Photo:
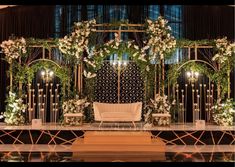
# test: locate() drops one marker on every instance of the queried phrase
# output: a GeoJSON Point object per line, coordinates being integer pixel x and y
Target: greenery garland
{"type": "Point", "coordinates": [189, 43]}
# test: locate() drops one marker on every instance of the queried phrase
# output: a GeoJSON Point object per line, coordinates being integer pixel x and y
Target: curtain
{"type": "Point", "coordinates": [25, 21]}
{"type": "Point", "coordinates": [208, 22]}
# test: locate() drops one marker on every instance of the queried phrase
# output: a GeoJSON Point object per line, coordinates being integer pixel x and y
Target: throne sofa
{"type": "Point", "coordinates": [117, 112]}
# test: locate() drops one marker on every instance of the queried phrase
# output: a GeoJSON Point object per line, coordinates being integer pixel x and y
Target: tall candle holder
{"type": "Point", "coordinates": [186, 101]}
{"type": "Point", "coordinates": [119, 65]}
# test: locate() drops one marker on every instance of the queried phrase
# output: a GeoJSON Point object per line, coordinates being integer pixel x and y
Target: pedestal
{"type": "Point", "coordinates": [73, 119]}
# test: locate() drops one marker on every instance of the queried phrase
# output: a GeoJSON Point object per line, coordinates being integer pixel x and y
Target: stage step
{"type": "Point", "coordinates": [118, 142]}
{"type": "Point", "coordinates": [118, 146]}
{"type": "Point", "coordinates": [111, 137]}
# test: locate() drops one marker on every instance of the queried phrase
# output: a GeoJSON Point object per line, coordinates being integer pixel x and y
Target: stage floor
{"type": "Point", "coordinates": [120, 127]}
{"type": "Point", "coordinates": [175, 134]}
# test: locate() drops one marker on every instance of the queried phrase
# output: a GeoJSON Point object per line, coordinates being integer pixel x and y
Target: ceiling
{"type": "Point", "coordinates": [5, 6]}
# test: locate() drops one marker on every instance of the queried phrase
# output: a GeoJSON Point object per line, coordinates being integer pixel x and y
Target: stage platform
{"type": "Point", "coordinates": [175, 134]}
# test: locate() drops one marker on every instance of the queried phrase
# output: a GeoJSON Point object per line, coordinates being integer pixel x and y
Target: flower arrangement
{"type": "Point", "coordinates": [225, 50]}
{"type": "Point", "coordinates": [74, 105]}
{"type": "Point", "coordinates": [14, 110]}
{"type": "Point", "coordinates": [160, 39]}
{"type": "Point", "coordinates": [13, 49]}
{"type": "Point", "coordinates": [224, 113]}
{"type": "Point", "coordinates": [74, 44]}
{"type": "Point", "coordinates": [160, 106]}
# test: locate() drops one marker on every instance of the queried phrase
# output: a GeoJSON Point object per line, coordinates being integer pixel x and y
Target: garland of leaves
{"type": "Point", "coordinates": [189, 43]}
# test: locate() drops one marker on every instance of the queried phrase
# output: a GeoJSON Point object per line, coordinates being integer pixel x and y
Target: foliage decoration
{"type": "Point", "coordinates": [42, 42]}
{"type": "Point", "coordinates": [15, 109]}
{"type": "Point", "coordinates": [189, 43]}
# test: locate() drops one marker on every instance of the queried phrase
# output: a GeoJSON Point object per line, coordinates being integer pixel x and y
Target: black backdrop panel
{"type": "Point", "coordinates": [131, 84]}
{"type": "Point", "coordinates": [132, 87]}
{"type": "Point", "coordinates": [106, 84]}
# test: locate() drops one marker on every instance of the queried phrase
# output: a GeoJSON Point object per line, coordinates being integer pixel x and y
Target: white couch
{"type": "Point", "coordinates": [115, 112]}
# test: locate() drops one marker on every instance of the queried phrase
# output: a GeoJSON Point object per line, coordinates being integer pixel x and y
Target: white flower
{"type": "Point", "coordinates": [135, 54]}
{"type": "Point", "coordinates": [89, 74]}
{"type": "Point", "coordinates": [147, 68]}
{"type": "Point", "coordinates": [136, 47]}
{"type": "Point", "coordinates": [149, 21]}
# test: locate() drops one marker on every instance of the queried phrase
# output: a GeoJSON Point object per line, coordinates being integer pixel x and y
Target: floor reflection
{"type": "Point", "coordinates": [68, 157]}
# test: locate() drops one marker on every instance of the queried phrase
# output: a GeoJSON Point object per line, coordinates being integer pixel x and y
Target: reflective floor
{"type": "Point", "coordinates": [69, 157]}
{"type": "Point", "coordinates": [120, 126]}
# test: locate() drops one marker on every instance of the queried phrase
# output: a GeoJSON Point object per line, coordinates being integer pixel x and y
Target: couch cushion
{"type": "Point", "coordinates": [117, 112]}
{"type": "Point", "coordinates": [116, 116]}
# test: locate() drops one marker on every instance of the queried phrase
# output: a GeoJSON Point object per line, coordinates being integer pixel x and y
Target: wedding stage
{"type": "Point", "coordinates": [175, 134]}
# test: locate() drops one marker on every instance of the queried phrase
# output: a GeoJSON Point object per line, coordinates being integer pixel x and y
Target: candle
{"type": "Point", "coordinates": [204, 93]}
{"type": "Point", "coordinates": [200, 101]}
{"type": "Point", "coordinates": [50, 105]}
{"type": "Point", "coordinates": [198, 110]}
{"type": "Point", "coordinates": [29, 108]}
{"type": "Point", "coordinates": [193, 103]}
{"type": "Point", "coordinates": [45, 108]}
{"type": "Point", "coordinates": [182, 99]}
{"type": "Point", "coordinates": [183, 109]}
{"type": "Point", "coordinates": [38, 100]}
{"type": "Point", "coordinates": [43, 113]}
{"type": "Point", "coordinates": [208, 101]}
{"type": "Point", "coordinates": [186, 95]}
{"type": "Point", "coordinates": [33, 105]}
{"type": "Point", "coordinates": [212, 96]}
